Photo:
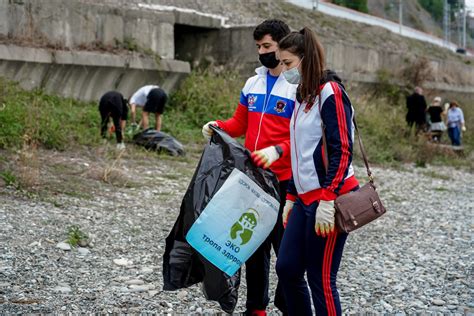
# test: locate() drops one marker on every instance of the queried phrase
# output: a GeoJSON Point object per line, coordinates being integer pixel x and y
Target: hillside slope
{"type": "Point", "coordinates": [414, 15]}
{"type": "Point", "coordinates": [327, 27]}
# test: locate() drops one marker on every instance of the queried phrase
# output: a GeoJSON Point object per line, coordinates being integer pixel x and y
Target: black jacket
{"type": "Point", "coordinates": [416, 105]}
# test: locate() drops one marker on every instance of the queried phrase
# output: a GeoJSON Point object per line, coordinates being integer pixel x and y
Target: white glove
{"type": "Point", "coordinates": [324, 218]}
{"type": "Point", "coordinates": [207, 131]}
{"type": "Point", "coordinates": [120, 146]}
{"type": "Point", "coordinates": [263, 158]}
{"type": "Point", "coordinates": [287, 211]}
{"type": "Point", "coordinates": [463, 128]}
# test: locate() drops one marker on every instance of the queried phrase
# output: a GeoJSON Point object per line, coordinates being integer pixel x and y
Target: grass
{"type": "Point", "coordinates": [9, 178]}
{"type": "Point", "coordinates": [204, 96]}
{"type": "Point", "coordinates": [50, 121]}
{"type": "Point", "coordinates": [76, 236]}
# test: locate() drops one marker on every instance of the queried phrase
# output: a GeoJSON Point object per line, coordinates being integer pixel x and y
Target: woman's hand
{"type": "Point", "coordinates": [325, 218]}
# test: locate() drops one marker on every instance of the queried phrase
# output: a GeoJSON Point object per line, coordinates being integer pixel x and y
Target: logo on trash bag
{"type": "Point", "coordinates": [244, 227]}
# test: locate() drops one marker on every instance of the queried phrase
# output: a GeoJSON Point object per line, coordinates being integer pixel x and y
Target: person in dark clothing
{"type": "Point", "coordinates": [113, 105]}
{"type": "Point", "coordinates": [416, 105]}
{"type": "Point", "coordinates": [436, 123]}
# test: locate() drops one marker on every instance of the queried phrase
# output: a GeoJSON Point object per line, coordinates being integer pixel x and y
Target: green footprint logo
{"type": "Point", "coordinates": [244, 227]}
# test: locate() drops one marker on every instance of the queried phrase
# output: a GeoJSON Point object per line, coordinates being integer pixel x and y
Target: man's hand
{"type": "Point", "coordinates": [287, 211]}
{"type": "Point", "coordinates": [207, 131]}
{"type": "Point", "coordinates": [263, 158]}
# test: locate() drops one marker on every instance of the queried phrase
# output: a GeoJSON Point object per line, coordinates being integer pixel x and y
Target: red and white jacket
{"type": "Point", "coordinates": [265, 119]}
{"type": "Point", "coordinates": [310, 182]}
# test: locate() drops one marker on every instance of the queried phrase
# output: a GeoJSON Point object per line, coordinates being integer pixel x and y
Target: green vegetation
{"type": "Point", "coordinates": [76, 236]}
{"type": "Point", "coordinates": [50, 121]}
{"type": "Point", "coordinates": [9, 178]}
{"type": "Point", "coordinates": [204, 96]}
{"type": "Point", "coordinates": [210, 95]}
{"type": "Point", "coordinates": [434, 7]}
{"type": "Point", "coordinates": [359, 5]}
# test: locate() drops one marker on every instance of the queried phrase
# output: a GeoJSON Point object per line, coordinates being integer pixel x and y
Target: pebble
{"type": "Point", "coordinates": [83, 251]}
{"type": "Point", "coordinates": [438, 302]}
{"type": "Point", "coordinates": [153, 293]}
{"type": "Point", "coordinates": [139, 288]}
{"type": "Point", "coordinates": [182, 295]}
{"type": "Point", "coordinates": [63, 246]}
{"type": "Point", "coordinates": [122, 262]}
{"type": "Point", "coordinates": [135, 282]}
{"type": "Point", "coordinates": [146, 270]}
{"type": "Point", "coordinates": [62, 289]}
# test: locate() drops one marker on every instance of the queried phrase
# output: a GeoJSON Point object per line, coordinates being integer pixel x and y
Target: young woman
{"type": "Point", "coordinates": [435, 112]}
{"type": "Point", "coordinates": [320, 173]}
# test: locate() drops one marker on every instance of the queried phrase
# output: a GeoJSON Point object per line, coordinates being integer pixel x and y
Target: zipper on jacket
{"type": "Point", "coordinates": [265, 105]}
{"type": "Point", "coordinates": [296, 149]}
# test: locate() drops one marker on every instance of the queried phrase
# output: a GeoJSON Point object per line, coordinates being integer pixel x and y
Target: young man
{"type": "Point", "coordinates": [153, 100]}
{"type": "Point", "coordinates": [113, 105]}
{"type": "Point", "coordinates": [263, 116]}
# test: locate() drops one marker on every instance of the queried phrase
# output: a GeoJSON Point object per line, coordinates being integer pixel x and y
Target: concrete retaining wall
{"type": "Point", "coordinates": [87, 75]}
{"type": "Point", "coordinates": [235, 47]}
{"type": "Point", "coordinates": [78, 24]}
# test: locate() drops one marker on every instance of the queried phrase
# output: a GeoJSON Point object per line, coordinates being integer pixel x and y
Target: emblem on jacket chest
{"type": "Point", "coordinates": [280, 106]}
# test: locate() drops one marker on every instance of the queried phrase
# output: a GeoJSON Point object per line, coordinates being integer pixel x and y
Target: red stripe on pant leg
{"type": "Point", "coordinates": [328, 252]}
{"type": "Point", "coordinates": [323, 272]}
{"type": "Point", "coordinates": [333, 245]}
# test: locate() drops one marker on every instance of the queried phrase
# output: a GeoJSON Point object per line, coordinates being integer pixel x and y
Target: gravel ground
{"type": "Point", "coordinates": [417, 258]}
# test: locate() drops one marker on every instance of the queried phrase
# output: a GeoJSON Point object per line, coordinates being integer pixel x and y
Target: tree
{"type": "Point", "coordinates": [359, 5]}
{"type": "Point", "coordinates": [434, 7]}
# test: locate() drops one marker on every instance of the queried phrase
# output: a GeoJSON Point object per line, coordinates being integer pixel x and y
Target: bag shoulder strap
{"type": "Point", "coordinates": [361, 145]}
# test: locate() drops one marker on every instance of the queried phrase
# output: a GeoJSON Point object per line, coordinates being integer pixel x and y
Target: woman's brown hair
{"type": "Point", "coordinates": [306, 45]}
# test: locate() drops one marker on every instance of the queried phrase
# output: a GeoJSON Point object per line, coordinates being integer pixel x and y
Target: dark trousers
{"type": "Point", "coordinates": [303, 251]}
{"type": "Point", "coordinates": [257, 266]}
{"type": "Point", "coordinates": [104, 115]}
{"type": "Point", "coordinates": [454, 134]}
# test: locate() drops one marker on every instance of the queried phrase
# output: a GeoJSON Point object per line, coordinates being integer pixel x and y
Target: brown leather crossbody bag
{"type": "Point", "coordinates": [357, 208]}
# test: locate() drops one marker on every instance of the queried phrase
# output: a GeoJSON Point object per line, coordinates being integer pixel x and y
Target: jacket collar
{"type": "Point", "coordinates": [261, 71]}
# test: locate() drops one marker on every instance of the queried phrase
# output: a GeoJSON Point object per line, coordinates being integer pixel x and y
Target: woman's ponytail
{"type": "Point", "coordinates": [312, 65]}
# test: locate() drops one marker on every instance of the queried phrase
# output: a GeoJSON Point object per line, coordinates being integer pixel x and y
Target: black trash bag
{"type": "Point", "coordinates": [182, 265]}
{"type": "Point", "coordinates": [152, 139]}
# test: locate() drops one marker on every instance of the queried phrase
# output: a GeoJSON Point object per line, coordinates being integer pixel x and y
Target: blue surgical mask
{"type": "Point", "coordinates": [292, 75]}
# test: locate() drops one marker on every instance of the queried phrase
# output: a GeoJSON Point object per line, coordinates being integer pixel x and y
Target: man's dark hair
{"type": "Point", "coordinates": [277, 29]}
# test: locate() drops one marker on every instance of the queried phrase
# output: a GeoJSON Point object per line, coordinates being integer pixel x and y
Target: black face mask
{"type": "Point", "coordinates": [268, 60]}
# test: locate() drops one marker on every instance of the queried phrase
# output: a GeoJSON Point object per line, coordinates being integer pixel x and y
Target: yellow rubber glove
{"type": "Point", "coordinates": [325, 218]}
